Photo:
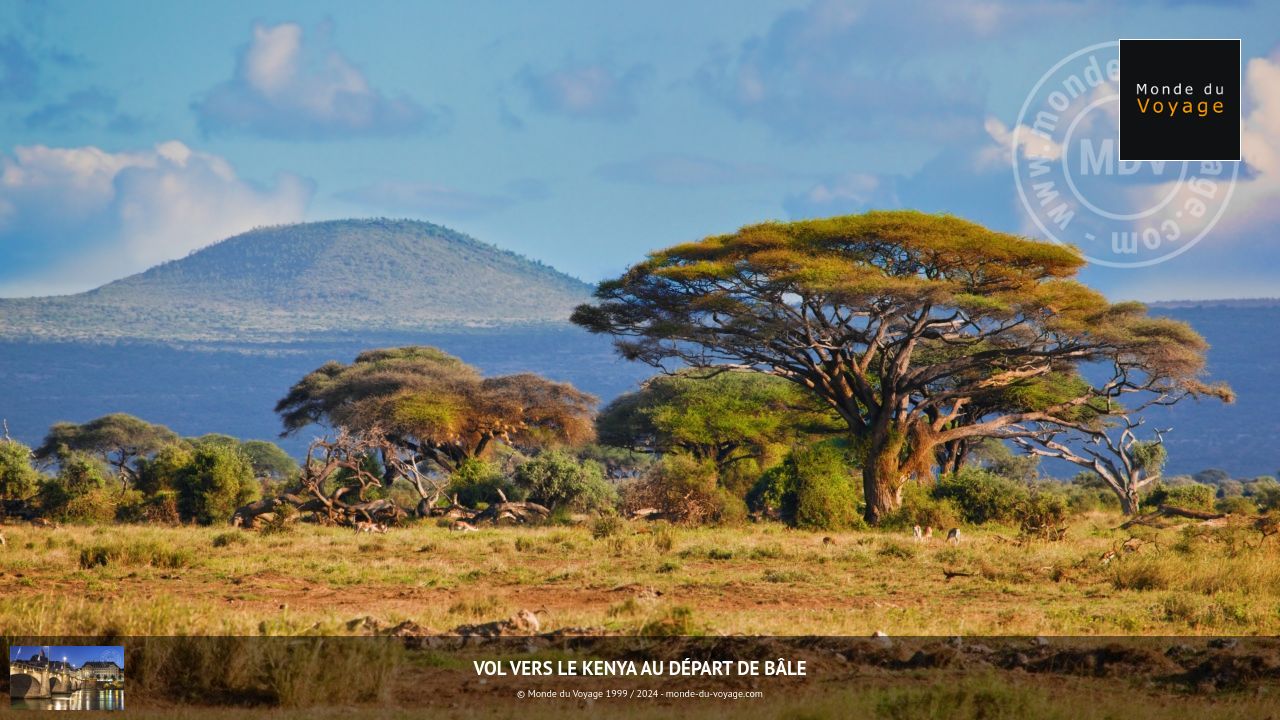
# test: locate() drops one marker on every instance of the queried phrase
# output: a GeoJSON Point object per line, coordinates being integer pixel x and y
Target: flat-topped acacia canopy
{"type": "Point", "coordinates": [922, 331]}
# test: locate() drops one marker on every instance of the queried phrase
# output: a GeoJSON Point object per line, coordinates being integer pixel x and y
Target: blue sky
{"type": "Point", "coordinates": [579, 133]}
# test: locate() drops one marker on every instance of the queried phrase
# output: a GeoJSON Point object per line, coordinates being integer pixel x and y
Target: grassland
{"type": "Point", "coordinates": [757, 579]}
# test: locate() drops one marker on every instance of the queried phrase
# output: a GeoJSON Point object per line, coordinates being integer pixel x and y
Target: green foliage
{"type": "Point", "coordinates": [1193, 496]}
{"type": "Point", "coordinates": [270, 460]}
{"type": "Point", "coordinates": [813, 488]}
{"type": "Point", "coordinates": [431, 403]}
{"type": "Point", "coordinates": [1266, 495]}
{"type": "Point", "coordinates": [980, 495]}
{"type": "Point", "coordinates": [1236, 505]}
{"type": "Point", "coordinates": [920, 507]}
{"type": "Point", "coordinates": [292, 281]}
{"type": "Point", "coordinates": [1042, 514]}
{"type": "Point", "coordinates": [995, 455]}
{"type": "Point", "coordinates": [18, 479]}
{"type": "Point", "coordinates": [160, 473]}
{"type": "Point", "coordinates": [218, 480]}
{"type": "Point", "coordinates": [684, 490]}
{"type": "Point", "coordinates": [477, 481]}
{"type": "Point", "coordinates": [731, 419]}
{"type": "Point", "coordinates": [78, 493]}
{"type": "Point", "coordinates": [607, 526]}
{"type": "Point", "coordinates": [555, 478]}
{"type": "Point", "coordinates": [118, 438]}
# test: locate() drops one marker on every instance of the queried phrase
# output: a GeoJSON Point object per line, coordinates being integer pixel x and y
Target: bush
{"type": "Point", "coordinates": [813, 488]}
{"type": "Point", "coordinates": [1236, 505]}
{"type": "Point", "coordinates": [137, 552]}
{"type": "Point", "coordinates": [920, 507]}
{"type": "Point", "coordinates": [1042, 514]}
{"type": "Point", "coordinates": [218, 480]}
{"type": "Point", "coordinates": [684, 490]}
{"type": "Point", "coordinates": [557, 479]}
{"type": "Point", "coordinates": [93, 507]}
{"type": "Point", "coordinates": [160, 473]}
{"type": "Point", "coordinates": [79, 492]}
{"type": "Point", "coordinates": [981, 496]}
{"type": "Point", "coordinates": [1266, 495]}
{"type": "Point", "coordinates": [607, 526]}
{"type": "Point", "coordinates": [18, 480]}
{"type": "Point", "coordinates": [476, 481]}
{"type": "Point", "coordinates": [1192, 496]}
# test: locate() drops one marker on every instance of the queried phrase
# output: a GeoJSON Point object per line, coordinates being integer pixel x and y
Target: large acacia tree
{"type": "Point", "coordinates": [434, 410]}
{"type": "Point", "coordinates": [920, 331]}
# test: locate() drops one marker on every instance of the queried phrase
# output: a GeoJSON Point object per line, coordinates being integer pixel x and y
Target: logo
{"type": "Point", "coordinates": [1180, 100]}
{"type": "Point", "coordinates": [1077, 189]}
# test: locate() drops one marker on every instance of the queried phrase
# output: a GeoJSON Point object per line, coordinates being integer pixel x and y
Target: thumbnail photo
{"type": "Point", "coordinates": [66, 677]}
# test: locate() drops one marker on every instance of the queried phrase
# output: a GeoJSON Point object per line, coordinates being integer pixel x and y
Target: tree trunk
{"type": "Point", "coordinates": [882, 476]}
{"type": "Point", "coordinates": [1129, 501]}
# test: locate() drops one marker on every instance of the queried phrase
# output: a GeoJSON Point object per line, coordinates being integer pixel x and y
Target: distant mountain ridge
{"type": "Point", "coordinates": [293, 280]}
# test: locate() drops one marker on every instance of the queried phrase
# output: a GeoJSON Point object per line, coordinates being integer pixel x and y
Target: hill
{"type": "Point", "coordinates": [295, 280]}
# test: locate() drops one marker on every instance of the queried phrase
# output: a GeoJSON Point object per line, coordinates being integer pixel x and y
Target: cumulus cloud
{"type": "Point", "coordinates": [592, 91]}
{"type": "Point", "coordinates": [74, 218]}
{"type": "Point", "coordinates": [841, 68]}
{"type": "Point", "coordinates": [289, 87]}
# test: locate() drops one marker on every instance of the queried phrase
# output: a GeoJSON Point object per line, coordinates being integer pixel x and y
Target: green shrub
{"type": "Point", "coordinates": [18, 479]}
{"type": "Point", "coordinates": [679, 487]}
{"type": "Point", "coordinates": [607, 526]}
{"type": "Point", "coordinates": [814, 488]}
{"type": "Point", "coordinates": [1192, 496]}
{"type": "Point", "coordinates": [160, 473]}
{"type": "Point", "coordinates": [131, 506]}
{"type": "Point", "coordinates": [1266, 495]}
{"type": "Point", "coordinates": [93, 507]}
{"type": "Point", "coordinates": [557, 479]}
{"type": "Point", "coordinates": [79, 492]}
{"type": "Point", "coordinates": [218, 480]}
{"type": "Point", "coordinates": [1236, 505]}
{"type": "Point", "coordinates": [981, 496]}
{"type": "Point", "coordinates": [728, 508]}
{"type": "Point", "coordinates": [1042, 514]}
{"type": "Point", "coordinates": [136, 552]}
{"type": "Point", "coordinates": [476, 481]}
{"type": "Point", "coordinates": [920, 507]}
{"type": "Point", "coordinates": [227, 539]}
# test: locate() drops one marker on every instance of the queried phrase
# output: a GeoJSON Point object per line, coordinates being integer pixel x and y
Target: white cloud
{"type": "Point", "coordinates": [75, 218]}
{"type": "Point", "coordinates": [285, 87]}
{"type": "Point", "coordinates": [585, 90]}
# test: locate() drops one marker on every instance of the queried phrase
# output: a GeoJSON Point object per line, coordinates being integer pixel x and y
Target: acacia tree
{"type": "Point", "coordinates": [902, 322]}
{"type": "Point", "coordinates": [434, 410]}
{"type": "Point", "coordinates": [119, 439]}
{"type": "Point", "coordinates": [724, 418]}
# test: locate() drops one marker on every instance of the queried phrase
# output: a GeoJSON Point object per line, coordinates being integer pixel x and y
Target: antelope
{"type": "Point", "coordinates": [917, 534]}
{"type": "Point", "coordinates": [953, 536]}
{"type": "Point", "coordinates": [928, 532]}
{"type": "Point", "coordinates": [368, 527]}
{"type": "Point", "coordinates": [462, 526]}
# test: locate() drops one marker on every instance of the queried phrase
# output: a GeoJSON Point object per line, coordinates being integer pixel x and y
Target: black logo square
{"type": "Point", "coordinates": [1179, 99]}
